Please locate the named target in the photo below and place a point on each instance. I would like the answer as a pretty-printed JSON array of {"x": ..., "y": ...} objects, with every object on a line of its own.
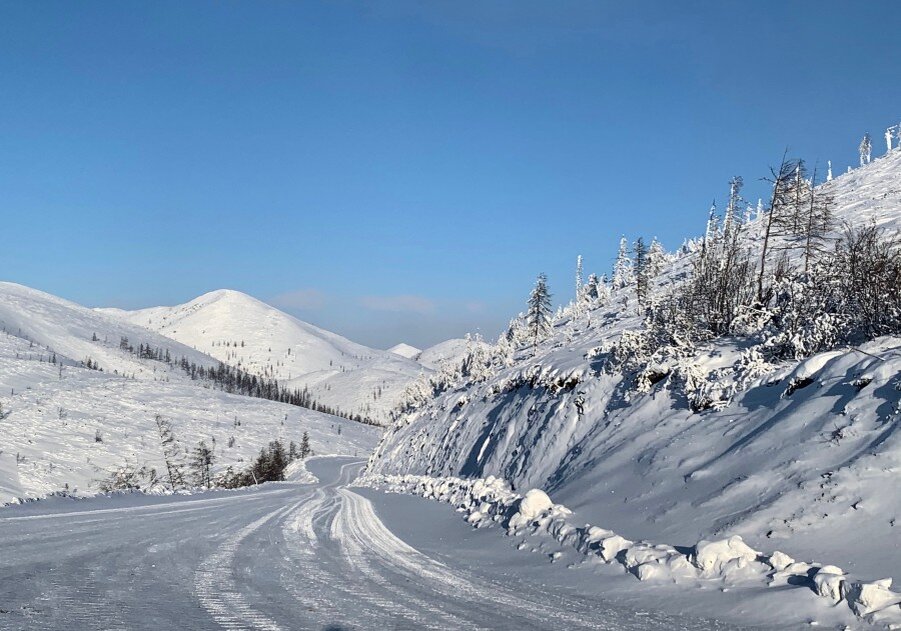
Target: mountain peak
[{"x": 405, "y": 350}]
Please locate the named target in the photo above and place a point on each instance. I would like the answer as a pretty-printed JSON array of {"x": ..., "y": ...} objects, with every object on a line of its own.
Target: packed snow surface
[{"x": 289, "y": 555}]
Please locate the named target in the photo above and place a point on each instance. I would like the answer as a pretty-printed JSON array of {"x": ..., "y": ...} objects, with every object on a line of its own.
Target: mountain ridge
[{"x": 246, "y": 332}]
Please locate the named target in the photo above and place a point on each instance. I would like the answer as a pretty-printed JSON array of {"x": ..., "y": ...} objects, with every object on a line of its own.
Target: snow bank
[
  {"x": 297, "y": 472},
  {"x": 729, "y": 561}
]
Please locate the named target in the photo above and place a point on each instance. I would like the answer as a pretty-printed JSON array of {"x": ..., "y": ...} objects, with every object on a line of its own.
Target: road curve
[{"x": 278, "y": 557}]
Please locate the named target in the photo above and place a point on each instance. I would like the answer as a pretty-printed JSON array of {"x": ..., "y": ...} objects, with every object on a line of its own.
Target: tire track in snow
[
  {"x": 325, "y": 582},
  {"x": 359, "y": 529},
  {"x": 217, "y": 591}
]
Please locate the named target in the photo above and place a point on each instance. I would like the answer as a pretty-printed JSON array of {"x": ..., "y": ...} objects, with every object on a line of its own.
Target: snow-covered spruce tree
[
  {"x": 538, "y": 315},
  {"x": 592, "y": 289},
  {"x": 622, "y": 267},
  {"x": 733, "y": 217},
  {"x": 641, "y": 270},
  {"x": 865, "y": 149},
  {"x": 580, "y": 281},
  {"x": 202, "y": 459},
  {"x": 712, "y": 230},
  {"x": 656, "y": 258},
  {"x": 305, "y": 449}
]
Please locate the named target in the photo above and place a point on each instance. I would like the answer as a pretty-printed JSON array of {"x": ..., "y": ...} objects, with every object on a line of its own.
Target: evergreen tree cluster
[
  {"x": 238, "y": 381},
  {"x": 269, "y": 465}
]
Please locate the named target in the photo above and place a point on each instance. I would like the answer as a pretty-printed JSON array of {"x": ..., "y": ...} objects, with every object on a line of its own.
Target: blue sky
[{"x": 401, "y": 171}]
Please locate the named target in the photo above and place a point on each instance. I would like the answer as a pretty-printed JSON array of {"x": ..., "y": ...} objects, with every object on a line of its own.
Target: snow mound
[
  {"x": 534, "y": 504},
  {"x": 714, "y": 557}
]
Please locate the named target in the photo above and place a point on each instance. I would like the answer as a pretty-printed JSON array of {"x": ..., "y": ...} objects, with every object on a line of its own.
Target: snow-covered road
[{"x": 283, "y": 556}]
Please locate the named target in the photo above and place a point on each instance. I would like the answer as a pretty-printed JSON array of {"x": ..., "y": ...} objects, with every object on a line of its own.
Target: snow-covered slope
[
  {"x": 64, "y": 426},
  {"x": 447, "y": 352},
  {"x": 444, "y": 353},
  {"x": 405, "y": 350},
  {"x": 75, "y": 334},
  {"x": 245, "y": 332},
  {"x": 69, "y": 428},
  {"x": 805, "y": 457}
]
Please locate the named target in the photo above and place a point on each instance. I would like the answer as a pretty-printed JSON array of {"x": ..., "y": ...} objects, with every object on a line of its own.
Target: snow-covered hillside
[
  {"x": 65, "y": 426},
  {"x": 448, "y": 352},
  {"x": 247, "y": 333},
  {"x": 803, "y": 456},
  {"x": 405, "y": 350},
  {"x": 76, "y": 334}
]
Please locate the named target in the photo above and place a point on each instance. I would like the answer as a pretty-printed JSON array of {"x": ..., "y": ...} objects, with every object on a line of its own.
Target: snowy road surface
[{"x": 284, "y": 556}]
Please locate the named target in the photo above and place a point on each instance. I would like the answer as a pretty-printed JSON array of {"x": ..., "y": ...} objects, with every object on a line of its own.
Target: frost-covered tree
[
  {"x": 867, "y": 262},
  {"x": 538, "y": 315},
  {"x": 642, "y": 272},
  {"x": 622, "y": 267},
  {"x": 777, "y": 215},
  {"x": 591, "y": 292},
  {"x": 172, "y": 453},
  {"x": 579, "y": 301},
  {"x": 580, "y": 283},
  {"x": 656, "y": 258},
  {"x": 733, "y": 208},
  {"x": 866, "y": 149},
  {"x": 712, "y": 230},
  {"x": 305, "y": 449},
  {"x": 816, "y": 224},
  {"x": 202, "y": 459}
]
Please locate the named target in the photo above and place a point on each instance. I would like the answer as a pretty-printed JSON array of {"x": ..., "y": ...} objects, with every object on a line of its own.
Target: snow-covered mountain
[
  {"x": 68, "y": 427},
  {"x": 709, "y": 441},
  {"x": 448, "y": 352},
  {"x": 242, "y": 331},
  {"x": 405, "y": 350},
  {"x": 76, "y": 334}
]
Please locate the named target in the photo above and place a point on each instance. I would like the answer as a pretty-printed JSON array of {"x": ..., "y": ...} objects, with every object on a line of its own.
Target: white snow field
[
  {"x": 290, "y": 556},
  {"x": 67, "y": 428},
  {"x": 242, "y": 331},
  {"x": 802, "y": 457}
]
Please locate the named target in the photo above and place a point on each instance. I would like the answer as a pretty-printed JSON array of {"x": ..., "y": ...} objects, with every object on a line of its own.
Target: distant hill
[
  {"x": 68, "y": 427},
  {"x": 247, "y": 333}
]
